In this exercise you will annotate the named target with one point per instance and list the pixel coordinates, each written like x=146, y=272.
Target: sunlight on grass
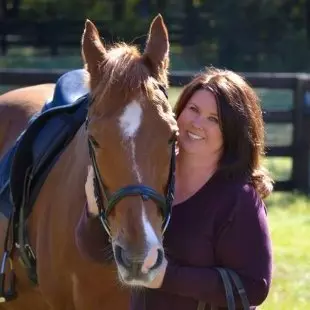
x=289, y=220
x=280, y=167
x=33, y=58
x=174, y=92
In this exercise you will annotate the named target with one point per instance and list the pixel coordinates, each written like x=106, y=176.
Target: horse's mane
x=124, y=69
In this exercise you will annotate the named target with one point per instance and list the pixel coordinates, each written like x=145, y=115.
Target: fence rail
x=299, y=116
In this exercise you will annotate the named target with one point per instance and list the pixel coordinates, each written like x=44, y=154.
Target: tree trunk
x=3, y=9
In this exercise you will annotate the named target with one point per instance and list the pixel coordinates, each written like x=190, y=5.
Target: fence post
x=301, y=139
x=3, y=40
x=307, y=128
x=307, y=149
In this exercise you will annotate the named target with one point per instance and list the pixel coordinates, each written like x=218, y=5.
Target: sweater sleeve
x=243, y=244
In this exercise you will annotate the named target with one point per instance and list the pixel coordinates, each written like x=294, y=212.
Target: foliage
x=244, y=35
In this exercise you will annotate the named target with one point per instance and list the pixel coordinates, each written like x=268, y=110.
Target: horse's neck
x=75, y=160
x=80, y=147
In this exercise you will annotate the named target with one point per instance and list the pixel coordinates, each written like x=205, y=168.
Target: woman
x=219, y=218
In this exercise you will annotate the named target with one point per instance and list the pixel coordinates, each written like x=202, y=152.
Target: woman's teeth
x=193, y=136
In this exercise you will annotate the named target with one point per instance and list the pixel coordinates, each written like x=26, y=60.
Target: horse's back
x=16, y=109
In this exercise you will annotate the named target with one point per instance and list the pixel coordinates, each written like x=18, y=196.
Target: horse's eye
x=94, y=142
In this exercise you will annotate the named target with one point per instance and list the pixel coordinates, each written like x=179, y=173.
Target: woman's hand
x=158, y=280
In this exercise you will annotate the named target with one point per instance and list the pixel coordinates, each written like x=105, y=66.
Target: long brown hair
x=241, y=123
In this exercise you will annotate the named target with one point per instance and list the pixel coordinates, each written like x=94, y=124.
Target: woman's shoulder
x=238, y=188
x=249, y=206
x=227, y=186
x=237, y=197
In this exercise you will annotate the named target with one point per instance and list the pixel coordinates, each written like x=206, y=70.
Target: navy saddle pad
x=24, y=168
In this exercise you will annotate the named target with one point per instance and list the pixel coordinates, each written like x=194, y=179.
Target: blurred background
x=267, y=41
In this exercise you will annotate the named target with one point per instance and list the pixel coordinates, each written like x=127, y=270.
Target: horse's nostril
x=160, y=258
x=121, y=257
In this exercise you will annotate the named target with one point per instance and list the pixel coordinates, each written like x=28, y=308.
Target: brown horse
x=123, y=151
x=16, y=108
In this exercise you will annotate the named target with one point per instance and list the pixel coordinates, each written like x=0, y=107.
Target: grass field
x=289, y=213
x=289, y=219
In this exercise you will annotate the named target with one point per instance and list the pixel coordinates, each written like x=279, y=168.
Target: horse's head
x=131, y=130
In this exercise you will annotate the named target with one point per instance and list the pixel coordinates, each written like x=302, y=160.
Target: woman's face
x=199, y=126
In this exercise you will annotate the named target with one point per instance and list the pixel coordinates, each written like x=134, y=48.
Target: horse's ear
x=93, y=51
x=157, y=47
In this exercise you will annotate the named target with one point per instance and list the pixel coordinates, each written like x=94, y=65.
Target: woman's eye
x=193, y=108
x=213, y=119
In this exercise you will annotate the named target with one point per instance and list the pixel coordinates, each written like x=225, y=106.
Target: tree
x=9, y=9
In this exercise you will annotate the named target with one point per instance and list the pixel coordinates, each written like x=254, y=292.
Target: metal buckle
x=11, y=293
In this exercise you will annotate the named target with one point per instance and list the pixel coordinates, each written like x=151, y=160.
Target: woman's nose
x=197, y=122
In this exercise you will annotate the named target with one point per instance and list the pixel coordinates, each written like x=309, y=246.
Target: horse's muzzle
x=137, y=268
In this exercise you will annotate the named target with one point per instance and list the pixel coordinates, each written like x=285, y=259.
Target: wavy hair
x=241, y=123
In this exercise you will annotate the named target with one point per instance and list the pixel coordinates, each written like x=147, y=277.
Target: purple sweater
x=223, y=224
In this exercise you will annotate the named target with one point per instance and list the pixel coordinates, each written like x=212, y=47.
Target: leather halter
x=106, y=202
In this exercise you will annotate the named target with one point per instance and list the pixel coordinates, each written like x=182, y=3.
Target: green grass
x=280, y=167
x=289, y=220
x=29, y=57
x=32, y=58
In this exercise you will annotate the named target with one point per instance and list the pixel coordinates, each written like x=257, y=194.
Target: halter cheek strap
x=106, y=202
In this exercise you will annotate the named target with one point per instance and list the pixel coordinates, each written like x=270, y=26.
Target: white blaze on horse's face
x=153, y=244
x=130, y=122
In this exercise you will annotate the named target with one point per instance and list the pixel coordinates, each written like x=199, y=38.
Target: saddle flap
x=41, y=145
x=5, y=194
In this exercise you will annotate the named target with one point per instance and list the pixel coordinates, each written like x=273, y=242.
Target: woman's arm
x=243, y=245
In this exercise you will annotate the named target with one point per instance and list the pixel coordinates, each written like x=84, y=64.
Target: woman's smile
x=194, y=136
